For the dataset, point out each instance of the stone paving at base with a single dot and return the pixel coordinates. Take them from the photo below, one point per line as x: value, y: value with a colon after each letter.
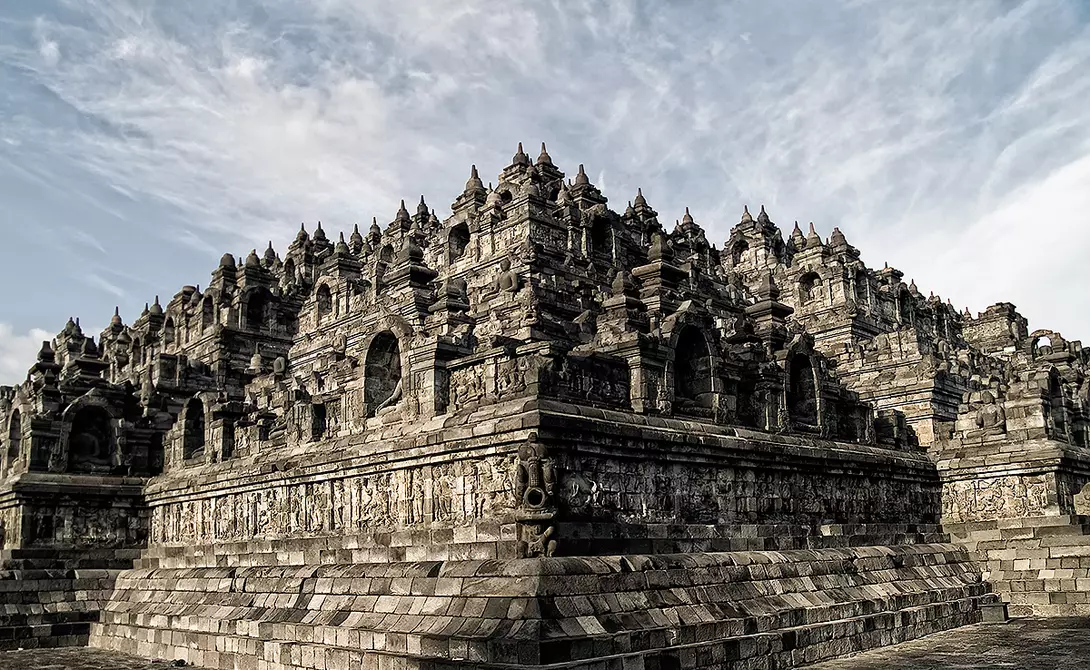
x: 79, y: 658
x: 1062, y: 643
x: 1021, y: 644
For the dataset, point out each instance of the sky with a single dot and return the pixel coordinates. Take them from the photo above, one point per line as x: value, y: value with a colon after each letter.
x: 141, y: 140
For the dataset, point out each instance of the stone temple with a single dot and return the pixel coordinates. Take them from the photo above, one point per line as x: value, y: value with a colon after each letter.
x: 542, y: 433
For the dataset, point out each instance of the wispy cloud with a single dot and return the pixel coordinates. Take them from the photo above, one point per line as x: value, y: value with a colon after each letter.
x: 947, y: 138
x: 18, y: 351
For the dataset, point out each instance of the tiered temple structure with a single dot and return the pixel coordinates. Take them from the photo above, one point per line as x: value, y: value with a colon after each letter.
x: 542, y: 433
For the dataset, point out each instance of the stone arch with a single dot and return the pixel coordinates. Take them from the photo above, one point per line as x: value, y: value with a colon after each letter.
x: 194, y: 430
x: 941, y: 328
x: 137, y: 349
x: 809, y: 287
x: 1057, y: 407
x: 1041, y: 346
x: 382, y: 373
x: 693, y: 370
x: 257, y: 308
x: 457, y: 242
x: 324, y: 299
x: 738, y: 252
x: 208, y: 311
x: 289, y: 269
x: 14, y: 440
x: 905, y: 307
x: 802, y: 391
x: 601, y: 236
x: 91, y: 440
x: 169, y: 331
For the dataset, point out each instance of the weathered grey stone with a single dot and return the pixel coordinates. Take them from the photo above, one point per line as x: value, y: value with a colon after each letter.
x: 539, y: 432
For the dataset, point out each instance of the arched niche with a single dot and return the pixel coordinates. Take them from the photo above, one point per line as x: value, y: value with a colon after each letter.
x: 91, y: 440
x: 905, y: 307
x: 382, y: 373
x: 802, y: 391
x: 601, y: 237
x: 194, y: 435
x: 1042, y: 346
x: 257, y: 308
x: 324, y: 299
x: 1057, y: 407
x: 738, y: 252
x: 289, y: 269
x: 168, y: 330
x: 208, y: 312
x: 137, y: 352
x: 457, y: 242
x: 14, y: 440
x: 693, y: 375
x: 809, y: 288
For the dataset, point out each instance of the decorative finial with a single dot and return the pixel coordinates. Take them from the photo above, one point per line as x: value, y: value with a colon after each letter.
x: 746, y: 216
x: 581, y: 178
x: 544, y: 158
x: 688, y: 218
x: 520, y: 157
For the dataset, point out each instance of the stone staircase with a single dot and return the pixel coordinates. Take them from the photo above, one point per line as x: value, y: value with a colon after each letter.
x: 1039, y: 565
x: 747, y: 609
x: 49, y: 598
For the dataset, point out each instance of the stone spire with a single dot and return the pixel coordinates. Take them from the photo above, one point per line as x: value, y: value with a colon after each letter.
x: 520, y: 157
x: 746, y: 216
x: 813, y: 240
x: 474, y: 184
x: 319, y: 235
x: 355, y: 240
x: 763, y: 216
x: 544, y: 158
x: 581, y: 178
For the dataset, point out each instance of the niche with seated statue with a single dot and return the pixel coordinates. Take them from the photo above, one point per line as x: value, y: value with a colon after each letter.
x: 457, y: 242
x: 802, y: 392
x: 257, y: 307
x: 809, y: 288
x: 693, y: 373
x: 1057, y: 408
x: 738, y: 252
x: 382, y: 374
x: 14, y: 441
x: 601, y: 237
x: 324, y: 299
x: 194, y: 435
x: 91, y: 440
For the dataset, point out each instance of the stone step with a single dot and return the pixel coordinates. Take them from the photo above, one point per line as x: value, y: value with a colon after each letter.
x: 781, y: 648
x: 44, y: 635
x: 529, y: 611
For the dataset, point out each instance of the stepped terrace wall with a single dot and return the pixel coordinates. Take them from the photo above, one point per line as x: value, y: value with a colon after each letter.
x: 538, y: 477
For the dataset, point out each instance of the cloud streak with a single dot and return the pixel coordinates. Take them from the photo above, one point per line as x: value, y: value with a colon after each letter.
x: 946, y: 138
